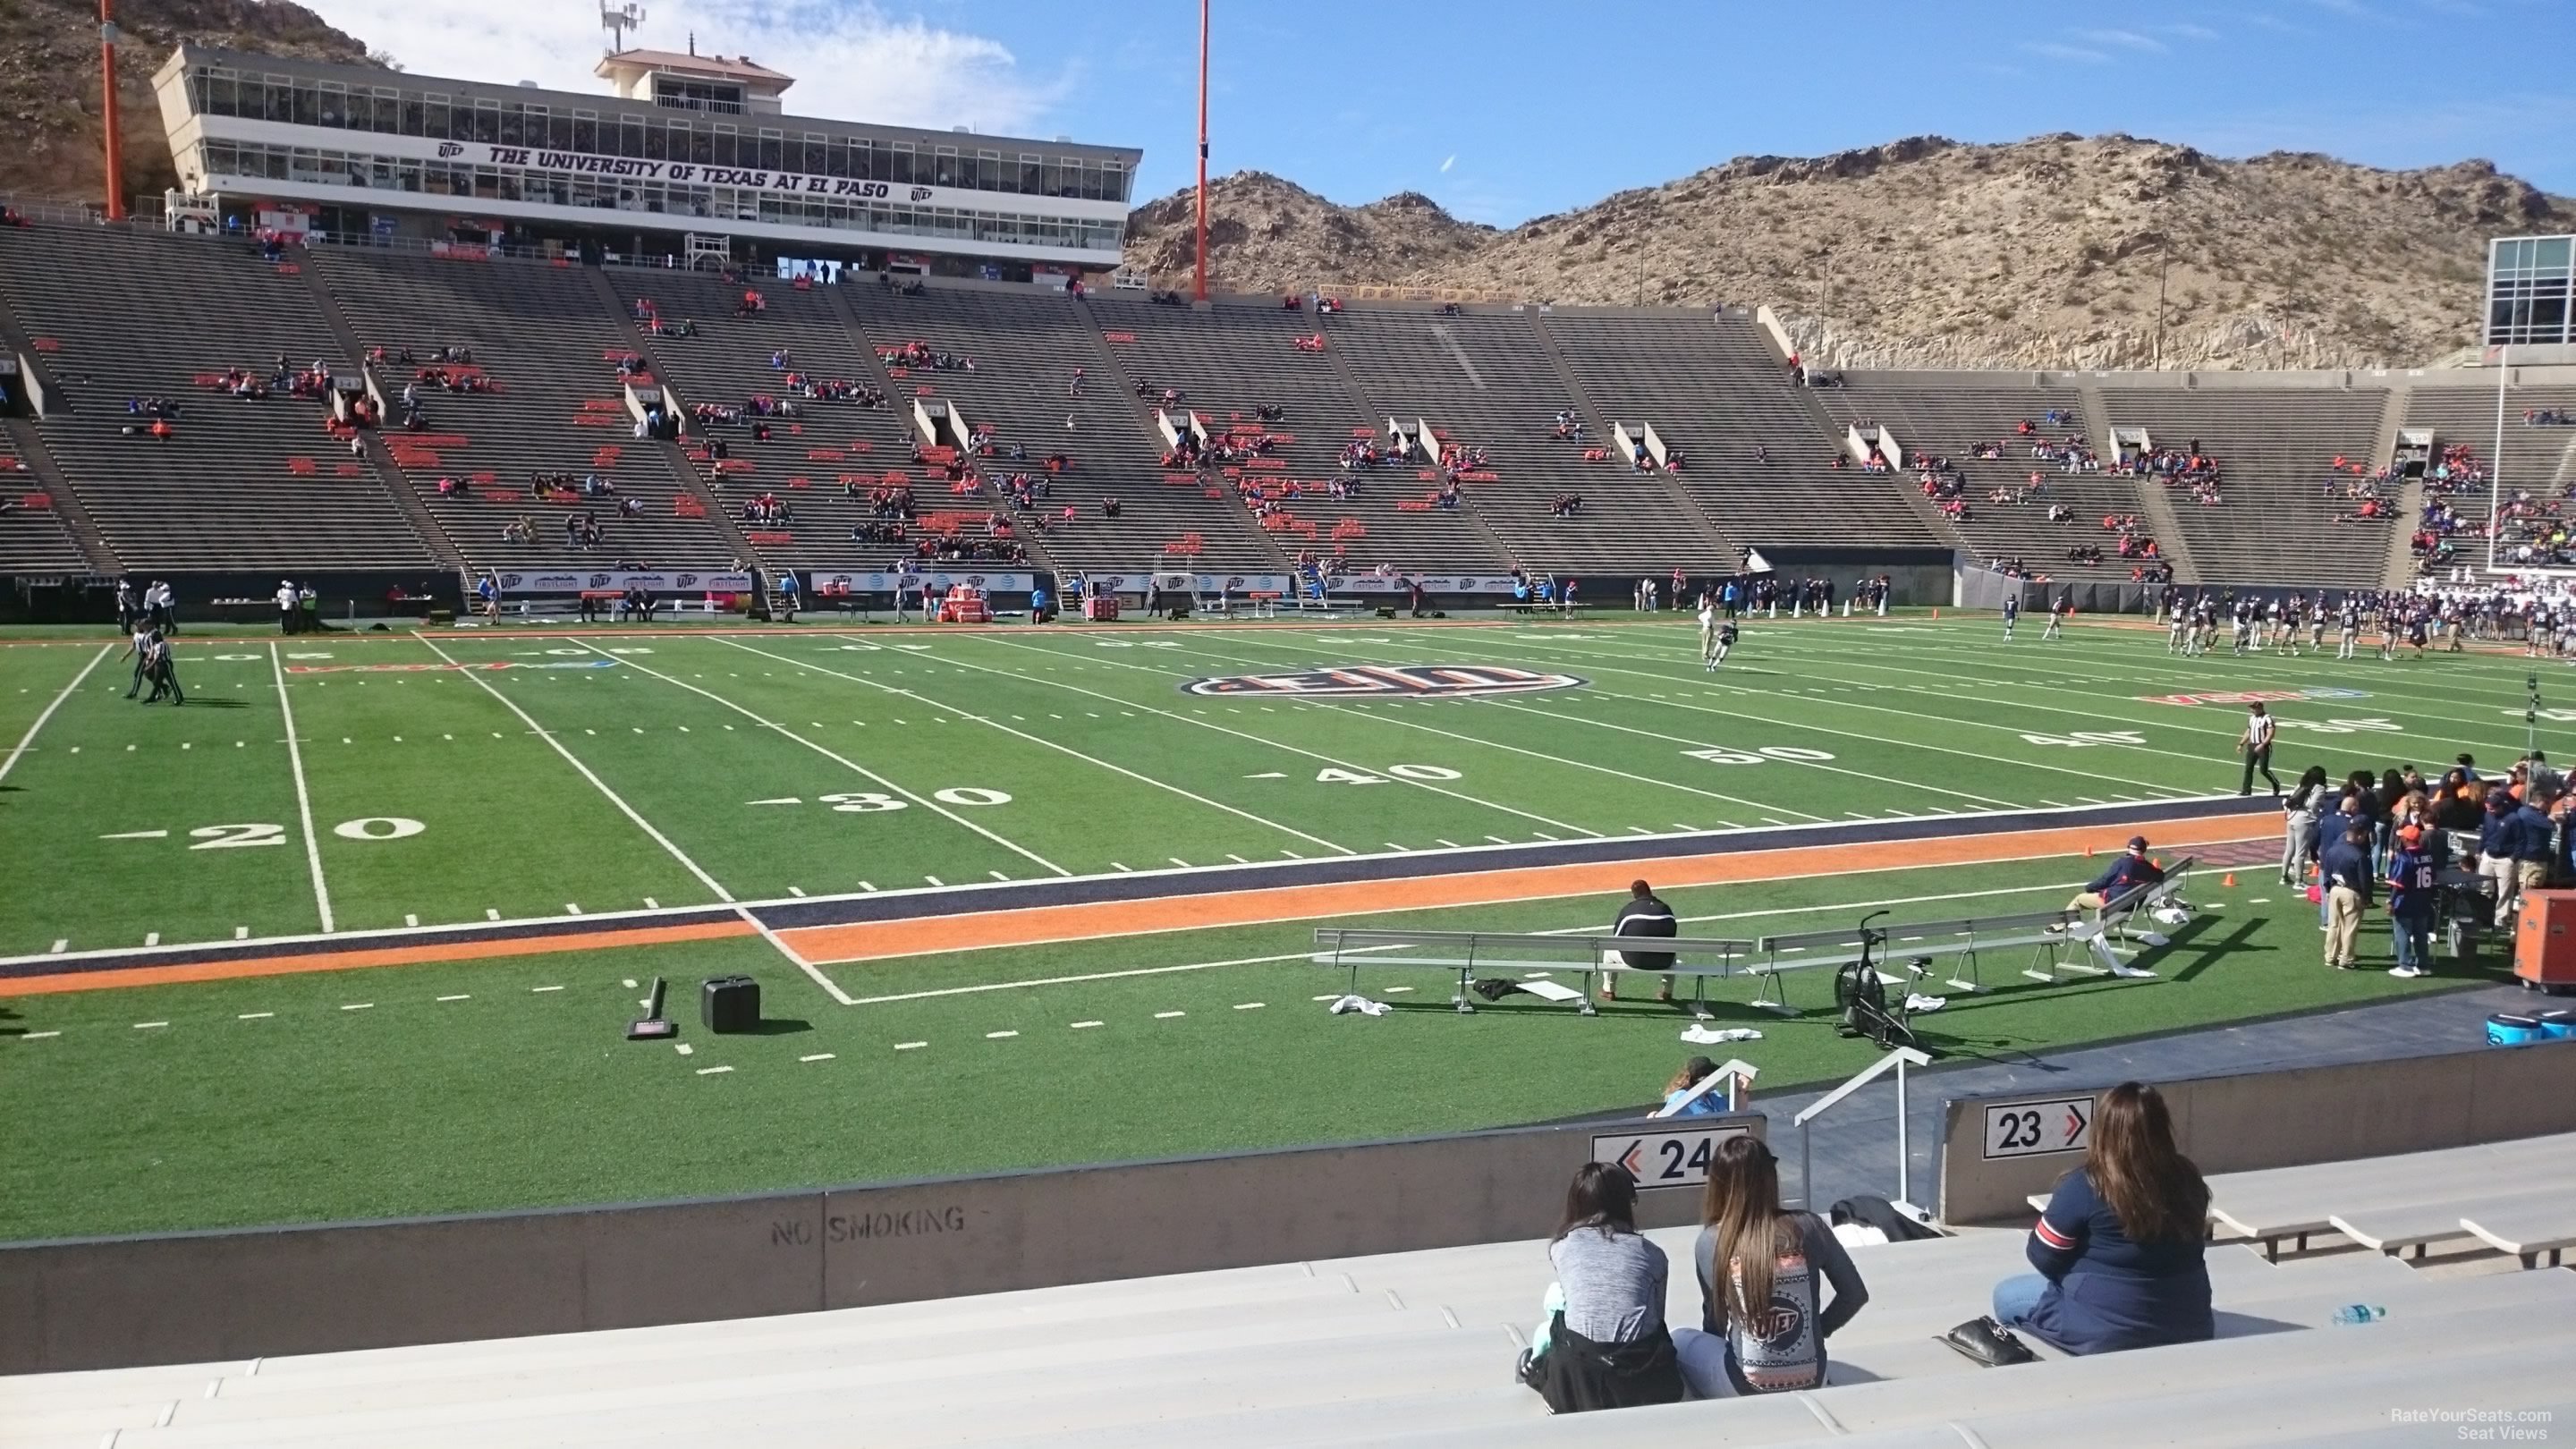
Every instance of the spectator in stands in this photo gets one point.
(1604, 1345)
(1707, 1104)
(1763, 1320)
(2118, 1248)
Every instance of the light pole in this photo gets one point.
(1201, 289)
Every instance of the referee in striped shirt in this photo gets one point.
(2256, 744)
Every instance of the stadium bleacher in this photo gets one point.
(1416, 1348)
(95, 304)
(1235, 358)
(542, 336)
(1025, 346)
(2273, 448)
(32, 536)
(242, 483)
(2537, 460)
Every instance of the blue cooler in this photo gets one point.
(2506, 1029)
(2558, 1025)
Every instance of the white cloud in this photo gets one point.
(2189, 31)
(1451, 161)
(2052, 50)
(851, 59)
(2124, 39)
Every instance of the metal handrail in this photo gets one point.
(1899, 1059)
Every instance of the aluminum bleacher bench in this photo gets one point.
(1528, 957)
(2408, 1228)
(2045, 934)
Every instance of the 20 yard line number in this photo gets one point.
(249, 833)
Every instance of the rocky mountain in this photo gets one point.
(49, 103)
(1928, 252)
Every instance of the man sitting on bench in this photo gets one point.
(2123, 875)
(1643, 915)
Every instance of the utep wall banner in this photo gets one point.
(938, 583)
(666, 582)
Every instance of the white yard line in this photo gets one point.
(1053, 745)
(828, 753)
(1238, 734)
(303, 797)
(29, 738)
(830, 987)
(569, 758)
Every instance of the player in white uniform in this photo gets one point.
(2178, 630)
(2056, 629)
(1708, 631)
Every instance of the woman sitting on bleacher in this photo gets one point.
(2119, 1247)
(1770, 1257)
(1604, 1345)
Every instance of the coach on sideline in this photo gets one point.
(1643, 915)
(2130, 871)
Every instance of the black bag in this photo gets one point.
(1984, 1341)
(1576, 1374)
(1879, 1213)
(729, 1003)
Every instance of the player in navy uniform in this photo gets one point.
(2012, 615)
(1725, 642)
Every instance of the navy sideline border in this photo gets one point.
(921, 904)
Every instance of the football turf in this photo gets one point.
(600, 771)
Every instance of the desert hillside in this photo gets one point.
(1931, 253)
(49, 102)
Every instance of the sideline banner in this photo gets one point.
(1333, 583)
(818, 582)
(659, 581)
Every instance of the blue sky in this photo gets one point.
(1506, 110)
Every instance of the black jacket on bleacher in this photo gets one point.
(1577, 1374)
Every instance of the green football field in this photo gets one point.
(364, 785)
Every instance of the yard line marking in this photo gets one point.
(1084, 1025)
(597, 783)
(460, 996)
(843, 760)
(241, 933)
(148, 1025)
(255, 1016)
(28, 739)
(1176, 860)
(359, 1006)
(1239, 860)
(816, 1057)
(411, 918)
(38, 1035)
(1498, 840)
(1393, 990)
(61, 944)
(934, 880)
(1453, 845)
(651, 904)
(997, 875)
(1240, 734)
(571, 909)
(545, 988)
(303, 797)
(910, 1046)
(683, 1048)
(999, 1035)
(867, 885)
(796, 890)
(1065, 749)
(1398, 849)
(713, 1071)
(491, 913)
(1250, 1005)
(1168, 1015)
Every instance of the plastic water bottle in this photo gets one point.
(2360, 1313)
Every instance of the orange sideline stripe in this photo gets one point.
(466, 950)
(1096, 920)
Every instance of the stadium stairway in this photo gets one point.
(1947, 419)
(1482, 542)
(1232, 358)
(812, 456)
(1716, 389)
(547, 342)
(1416, 1349)
(379, 457)
(39, 537)
(243, 483)
(2273, 447)
(1683, 506)
(1483, 379)
(1026, 346)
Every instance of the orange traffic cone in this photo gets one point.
(2229, 881)
(2088, 852)
(1936, 611)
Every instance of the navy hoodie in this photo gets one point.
(2106, 1292)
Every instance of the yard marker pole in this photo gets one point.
(29, 738)
(303, 797)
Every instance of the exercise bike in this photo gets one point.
(1861, 997)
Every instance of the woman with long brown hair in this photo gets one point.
(1761, 1329)
(2119, 1247)
(1603, 1345)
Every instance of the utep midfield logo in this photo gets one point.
(2255, 696)
(1390, 681)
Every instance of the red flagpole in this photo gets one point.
(107, 68)
(1203, 148)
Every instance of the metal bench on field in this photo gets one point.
(1532, 957)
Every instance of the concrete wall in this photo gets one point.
(211, 1296)
(2290, 1118)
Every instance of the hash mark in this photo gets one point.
(255, 1016)
(1168, 1015)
